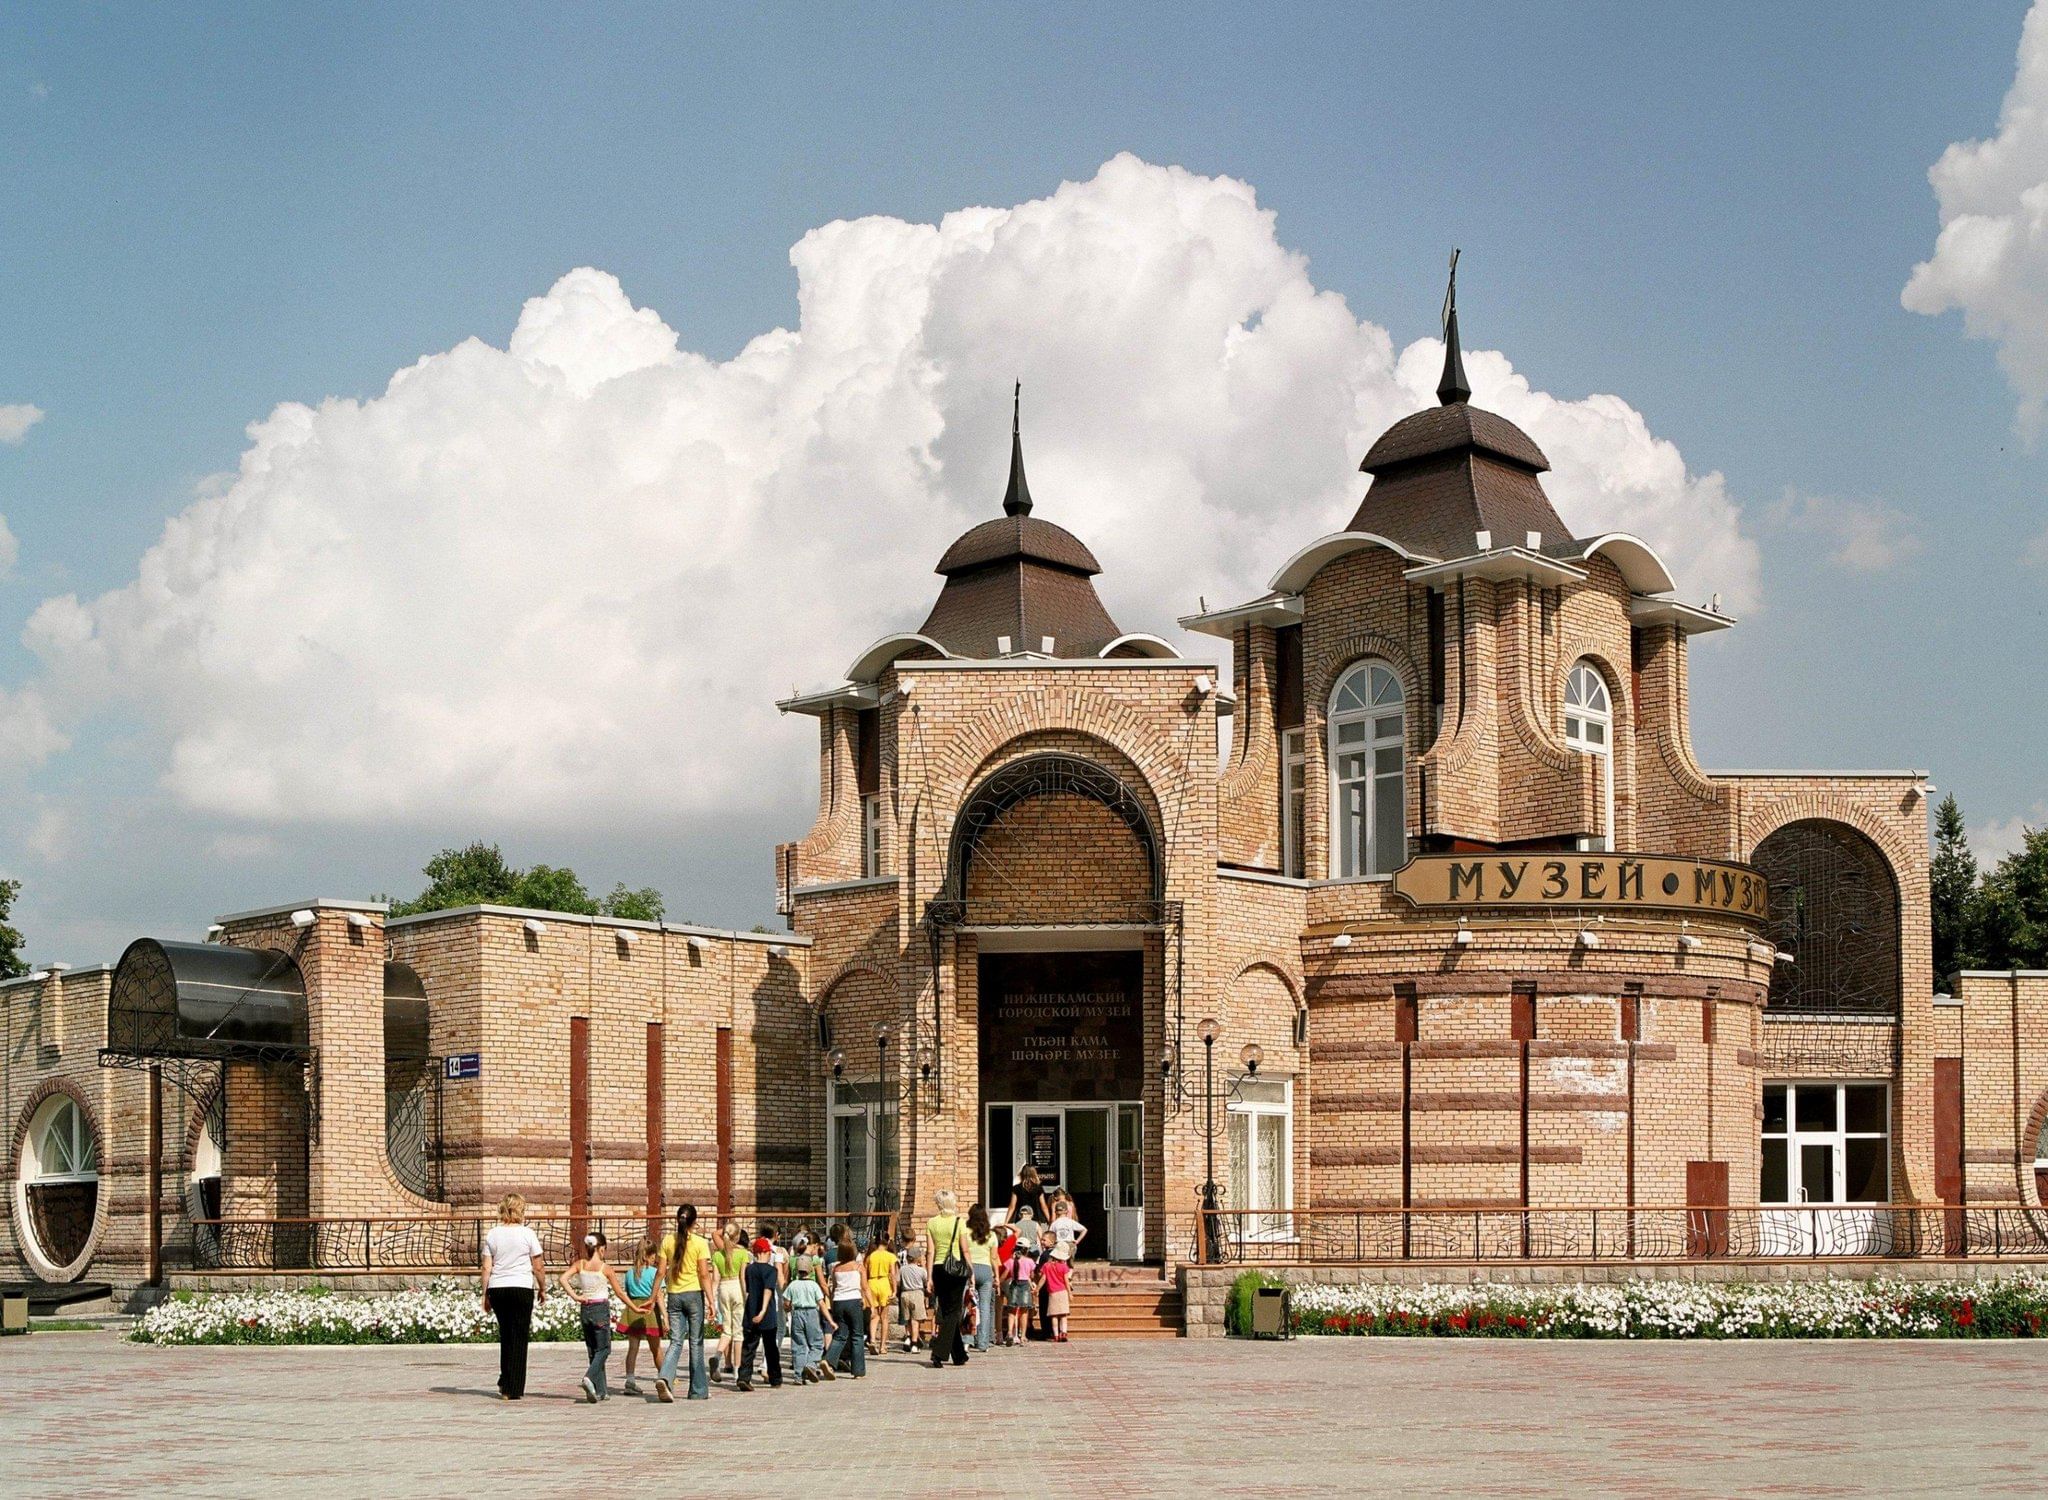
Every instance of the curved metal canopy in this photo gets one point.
(206, 1000)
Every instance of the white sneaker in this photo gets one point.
(630, 1388)
(589, 1391)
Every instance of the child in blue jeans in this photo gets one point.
(591, 1282)
(809, 1319)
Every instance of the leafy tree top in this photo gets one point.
(12, 964)
(479, 875)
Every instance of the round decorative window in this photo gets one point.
(59, 1183)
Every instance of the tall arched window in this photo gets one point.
(60, 1179)
(1368, 834)
(1589, 727)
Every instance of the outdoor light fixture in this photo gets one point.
(1251, 1056)
(1687, 943)
(535, 926)
(214, 931)
(696, 943)
(1167, 1058)
(39, 975)
(1204, 685)
(1588, 938)
(1208, 1031)
(776, 950)
(1782, 956)
(838, 1061)
(626, 939)
(358, 919)
(303, 917)
(1341, 940)
(905, 689)
(881, 1036)
(1463, 936)
(1763, 953)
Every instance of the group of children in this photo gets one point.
(832, 1302)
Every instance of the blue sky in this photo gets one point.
(1710, 214)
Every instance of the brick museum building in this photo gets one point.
(1455, 951)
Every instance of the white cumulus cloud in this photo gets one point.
(16, 419)
(1995, 838)
(564, 579)
(1862, 536)
(1990, 260)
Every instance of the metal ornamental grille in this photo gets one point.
(1835, 915)
(1046, 776)
(412, 1124)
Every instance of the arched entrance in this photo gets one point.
(1054, 890)
(1835, 917)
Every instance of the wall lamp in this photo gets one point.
(626, 939)
(358, 919)
(1204, 685)
(535, 926)
(1463, 936)
(776, 950)
(1588, 938)
(1763, 953)
(214, 931)
(1687, 943)
(1251, 1055)
(303, 917)
(696, 944)
(1341, 940)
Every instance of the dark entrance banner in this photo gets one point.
(1062, 1026)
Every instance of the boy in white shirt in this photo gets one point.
(1067, 1231)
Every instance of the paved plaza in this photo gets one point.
(89, 1414)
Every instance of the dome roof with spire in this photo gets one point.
(1019, 579)
(1447, 473)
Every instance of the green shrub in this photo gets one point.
(1237, 1311)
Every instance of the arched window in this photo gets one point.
(60, 1178)
(1368, 834)
(1589, 727)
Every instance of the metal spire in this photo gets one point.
(1017, 499)
(1453, 388)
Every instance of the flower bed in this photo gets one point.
(2014, 1306)
(446, 1311)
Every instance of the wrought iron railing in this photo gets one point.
(1760, 1232)
(454, 1242)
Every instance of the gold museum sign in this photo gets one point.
(1553, 879)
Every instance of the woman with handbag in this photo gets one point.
(946, 1233)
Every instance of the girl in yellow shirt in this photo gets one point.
(881, 1274)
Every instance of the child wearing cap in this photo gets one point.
(913, 1282)
(763, 1318)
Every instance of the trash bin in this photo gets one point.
(1271, 1306)
(13, 1314)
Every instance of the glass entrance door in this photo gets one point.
(1093, 1152)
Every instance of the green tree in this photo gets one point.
(12, 965)
(1953, 893)
(2012, 907)
(643, 905)
(479, 875)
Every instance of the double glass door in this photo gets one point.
(1093, 1151)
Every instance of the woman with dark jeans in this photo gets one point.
(946, 1233)
(849, 1286)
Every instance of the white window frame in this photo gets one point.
(1367, 862)
(80, 1152)
(1280, 1225)
(1792, 1138)
(1293, 801)
(857, 1114)
(1594, 710)
(871, 835)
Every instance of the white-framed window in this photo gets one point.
(861, 1147)
(871, 834)
(59, 1182)
(1589, 728)
(1293, 800)
(1826, 1143)
(1260, 1131)
(1368, 831)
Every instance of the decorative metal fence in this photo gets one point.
(1760, 1232)
(455, 1242)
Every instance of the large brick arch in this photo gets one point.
(1759, 823)
(1159, 760)
(2025, 1154)
(849, 972)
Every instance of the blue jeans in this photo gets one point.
(850, 1336)
(806, 1339)
(984, 1302)
(686, 1323)
(597, 1338)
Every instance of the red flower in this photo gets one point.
(1966, 1315)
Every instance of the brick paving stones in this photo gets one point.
(85, 1414)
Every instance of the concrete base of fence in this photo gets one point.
(1206, 1289)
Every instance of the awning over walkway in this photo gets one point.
(206, 1000)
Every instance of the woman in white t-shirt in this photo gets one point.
(514, 1280)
